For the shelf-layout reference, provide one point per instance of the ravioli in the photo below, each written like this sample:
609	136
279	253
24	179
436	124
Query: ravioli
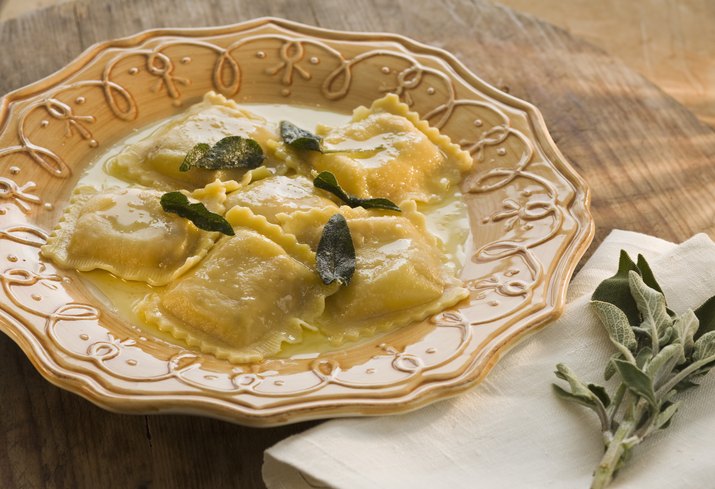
126	232
401	157
242	298
279	195
399	274
253	292
154	161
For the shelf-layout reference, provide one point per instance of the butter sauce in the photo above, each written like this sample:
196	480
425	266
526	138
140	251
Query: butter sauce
447	220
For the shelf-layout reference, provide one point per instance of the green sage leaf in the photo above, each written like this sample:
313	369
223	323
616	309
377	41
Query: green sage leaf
642	333
298	138
229	152
374	204
705	346
335	258
570	396
644	356
178	203
636	381
662	421
647	274
663	363
615	290
649	278
194	155
327	181
686	325
650	303
669	335
706	315
616	323
580	392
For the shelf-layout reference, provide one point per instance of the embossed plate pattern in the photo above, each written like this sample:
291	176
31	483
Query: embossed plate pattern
528	211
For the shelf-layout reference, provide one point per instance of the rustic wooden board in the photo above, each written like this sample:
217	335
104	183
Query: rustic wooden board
648	160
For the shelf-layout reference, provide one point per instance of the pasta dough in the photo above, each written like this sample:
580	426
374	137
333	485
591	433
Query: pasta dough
254	291
155	161
401	156
399	273
126	232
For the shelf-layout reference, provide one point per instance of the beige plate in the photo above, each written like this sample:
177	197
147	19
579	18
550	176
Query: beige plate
528	215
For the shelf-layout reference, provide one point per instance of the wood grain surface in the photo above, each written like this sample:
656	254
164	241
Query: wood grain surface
649	161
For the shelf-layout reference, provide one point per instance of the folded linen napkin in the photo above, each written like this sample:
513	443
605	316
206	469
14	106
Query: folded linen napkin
512	431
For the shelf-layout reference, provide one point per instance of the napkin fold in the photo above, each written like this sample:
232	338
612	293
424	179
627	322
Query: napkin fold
511	430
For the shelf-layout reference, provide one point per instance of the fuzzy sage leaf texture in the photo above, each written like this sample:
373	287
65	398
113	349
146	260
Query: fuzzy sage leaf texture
636	380
704	346
197	213
659	356
298	138
650	303
616	322
686	325
335	257
193	156
230	152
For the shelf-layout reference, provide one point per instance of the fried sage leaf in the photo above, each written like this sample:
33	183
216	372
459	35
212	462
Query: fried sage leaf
327	181
194	155
229	152
335	258
178	203
298	138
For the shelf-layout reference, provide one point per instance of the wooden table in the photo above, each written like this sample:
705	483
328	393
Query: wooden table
649	161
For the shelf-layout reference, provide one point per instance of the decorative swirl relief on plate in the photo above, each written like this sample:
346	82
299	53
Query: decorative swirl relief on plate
19	195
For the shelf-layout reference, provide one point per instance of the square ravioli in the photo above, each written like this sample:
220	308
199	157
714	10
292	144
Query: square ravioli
395	155
126	232
253	292
394	252
155	161
271	196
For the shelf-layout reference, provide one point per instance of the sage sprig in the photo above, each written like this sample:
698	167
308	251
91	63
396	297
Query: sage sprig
660	354
327	181
298	138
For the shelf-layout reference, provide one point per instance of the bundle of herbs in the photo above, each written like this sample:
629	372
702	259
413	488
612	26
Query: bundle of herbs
660	354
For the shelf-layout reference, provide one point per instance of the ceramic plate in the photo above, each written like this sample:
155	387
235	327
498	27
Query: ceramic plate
528	213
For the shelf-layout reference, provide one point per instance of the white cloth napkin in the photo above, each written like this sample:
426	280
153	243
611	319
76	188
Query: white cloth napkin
511	430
